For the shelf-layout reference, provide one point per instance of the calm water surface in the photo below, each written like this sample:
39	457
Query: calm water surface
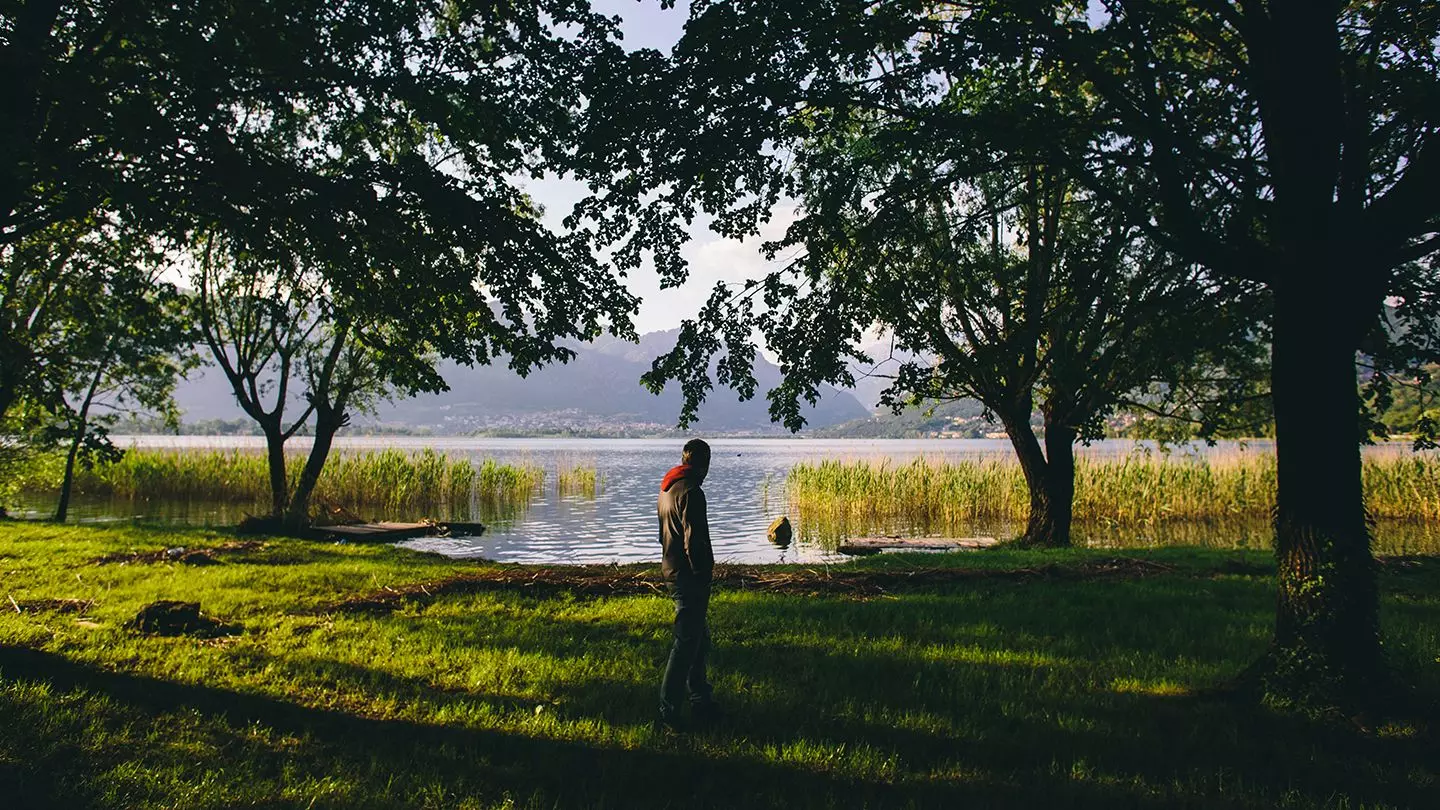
744	490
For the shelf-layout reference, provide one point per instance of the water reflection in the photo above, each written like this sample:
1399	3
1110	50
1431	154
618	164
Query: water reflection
501	515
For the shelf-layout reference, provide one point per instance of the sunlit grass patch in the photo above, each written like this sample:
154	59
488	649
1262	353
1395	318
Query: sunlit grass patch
852	760
1138	687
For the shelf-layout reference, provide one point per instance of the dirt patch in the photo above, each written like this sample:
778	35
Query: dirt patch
1400	564
1409	563
50	605
1244	568
809	582
180	554
171	618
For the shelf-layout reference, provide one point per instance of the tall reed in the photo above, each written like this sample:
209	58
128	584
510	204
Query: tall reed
386	479
1132	490
577	477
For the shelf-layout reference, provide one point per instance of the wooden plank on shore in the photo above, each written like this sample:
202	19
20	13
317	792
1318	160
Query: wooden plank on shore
383	531
870	545
389	531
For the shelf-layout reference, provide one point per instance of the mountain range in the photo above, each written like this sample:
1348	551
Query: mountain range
597	393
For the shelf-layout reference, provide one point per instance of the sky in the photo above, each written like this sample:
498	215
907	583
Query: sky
711	258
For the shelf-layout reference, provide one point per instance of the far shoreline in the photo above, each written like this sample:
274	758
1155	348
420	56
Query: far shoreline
1110	447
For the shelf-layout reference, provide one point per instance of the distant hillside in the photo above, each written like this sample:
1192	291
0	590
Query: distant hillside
598	393
872	379
962	419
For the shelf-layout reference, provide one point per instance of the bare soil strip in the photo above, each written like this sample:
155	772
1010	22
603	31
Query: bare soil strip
810	582
51	605
189	556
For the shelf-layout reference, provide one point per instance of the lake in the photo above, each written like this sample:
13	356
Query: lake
745	491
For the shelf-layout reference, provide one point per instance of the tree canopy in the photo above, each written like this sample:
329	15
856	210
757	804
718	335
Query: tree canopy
396	132
381	146
1290	143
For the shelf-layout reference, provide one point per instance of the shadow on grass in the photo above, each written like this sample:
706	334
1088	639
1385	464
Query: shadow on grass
485	764
1032	714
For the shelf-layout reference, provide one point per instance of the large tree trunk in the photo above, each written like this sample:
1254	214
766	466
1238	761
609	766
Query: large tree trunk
326	425
1326	652
1051	486
8	388
1060	480
1327	638
275	458
22	63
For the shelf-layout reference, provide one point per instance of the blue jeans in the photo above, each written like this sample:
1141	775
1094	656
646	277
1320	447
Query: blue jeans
685	671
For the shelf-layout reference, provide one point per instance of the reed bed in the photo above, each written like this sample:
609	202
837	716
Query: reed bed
386	479
1132	490
577	477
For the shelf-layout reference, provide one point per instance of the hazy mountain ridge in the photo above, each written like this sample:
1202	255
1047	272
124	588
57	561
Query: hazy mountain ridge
598	392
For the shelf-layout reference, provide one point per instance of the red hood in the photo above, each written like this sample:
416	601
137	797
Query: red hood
675	474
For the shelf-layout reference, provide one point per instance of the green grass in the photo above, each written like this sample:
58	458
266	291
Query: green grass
990	693
385	480
1129	491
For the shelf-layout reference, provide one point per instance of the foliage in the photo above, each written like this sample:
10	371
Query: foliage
1005	282
378	146
1292	144
1002	693
1401	389
1412	406
82	298
90	331
381	140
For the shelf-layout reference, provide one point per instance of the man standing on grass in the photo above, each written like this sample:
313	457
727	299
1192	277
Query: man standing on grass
686	561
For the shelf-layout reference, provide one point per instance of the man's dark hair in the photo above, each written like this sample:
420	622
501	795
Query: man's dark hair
696	452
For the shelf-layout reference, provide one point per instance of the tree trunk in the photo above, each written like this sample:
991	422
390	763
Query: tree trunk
1060	481
82	421
22	63
326	425
279	483
1049	523
8	393
1327	637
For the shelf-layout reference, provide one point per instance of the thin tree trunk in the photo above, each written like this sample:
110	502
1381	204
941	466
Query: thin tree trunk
275	458
7	398
1041	527
1327	636
326	425
67	482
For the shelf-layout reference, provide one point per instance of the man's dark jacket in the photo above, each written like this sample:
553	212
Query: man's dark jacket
684	530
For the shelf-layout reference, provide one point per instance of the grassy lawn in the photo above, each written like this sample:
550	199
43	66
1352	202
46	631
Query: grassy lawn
1034	679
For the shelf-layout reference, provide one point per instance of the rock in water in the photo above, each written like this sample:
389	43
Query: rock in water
780	532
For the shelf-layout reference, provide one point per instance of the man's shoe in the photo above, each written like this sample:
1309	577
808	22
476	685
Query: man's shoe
670	721
706	713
